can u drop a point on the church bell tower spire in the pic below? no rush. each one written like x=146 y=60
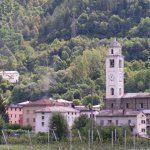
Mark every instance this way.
x=114 y=71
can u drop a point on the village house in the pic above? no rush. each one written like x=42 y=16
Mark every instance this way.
x=44 y=115
x=136 y=120
x=147 y=113
x=11 y=76
x=15 y=113
x=89 y=112
x=29 y=110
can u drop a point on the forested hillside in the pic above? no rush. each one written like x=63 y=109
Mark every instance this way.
x=59 y=47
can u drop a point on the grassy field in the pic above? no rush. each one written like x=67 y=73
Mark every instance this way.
x=65 y=146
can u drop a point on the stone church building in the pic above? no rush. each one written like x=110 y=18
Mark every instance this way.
x=115 y=97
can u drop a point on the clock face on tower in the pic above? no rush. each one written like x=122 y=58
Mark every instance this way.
x=111 y=77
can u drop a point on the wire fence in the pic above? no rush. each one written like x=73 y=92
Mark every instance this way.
x=49 y=141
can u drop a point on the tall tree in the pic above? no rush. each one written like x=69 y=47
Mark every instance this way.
x=59 y=124
x=3 y=113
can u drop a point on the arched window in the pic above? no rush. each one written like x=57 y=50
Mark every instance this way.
x=112 y=51
x=112 y=91
x=112 y=63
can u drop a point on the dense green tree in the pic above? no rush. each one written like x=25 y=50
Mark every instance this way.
x=59 y=124
x=3 y=113
x=2 y=124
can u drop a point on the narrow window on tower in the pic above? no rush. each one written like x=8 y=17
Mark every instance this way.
x=112 y=51
x=127 y=105
x=120 y=63
x=112 y=91
x=119 y=91
x=112 y=63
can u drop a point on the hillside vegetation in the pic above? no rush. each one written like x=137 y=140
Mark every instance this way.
x=59 y=47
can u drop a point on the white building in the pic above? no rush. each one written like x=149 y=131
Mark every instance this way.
x=147 y=113
x=43 y=117
x=11 y=76
x=136 y=120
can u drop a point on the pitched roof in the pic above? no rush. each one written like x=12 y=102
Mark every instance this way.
x=114 y=43
x=117 y=113
x=85 y=109
x=57 y=109
x=46 y=102
x=136 y=95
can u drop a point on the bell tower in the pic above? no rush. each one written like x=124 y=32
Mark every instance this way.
x=114 y=71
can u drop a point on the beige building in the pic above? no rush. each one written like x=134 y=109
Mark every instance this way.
x=136 y=120
x=43 y=117
x=29 y=110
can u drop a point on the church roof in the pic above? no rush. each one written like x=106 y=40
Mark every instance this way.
x=136 y=95
x=117 y=113
x=115 y=43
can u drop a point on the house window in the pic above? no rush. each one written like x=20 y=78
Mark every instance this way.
x=127 y=105
x=143 y=130
x=11 y=115
x=120 y=63
x=112 y=105
x=15 y=116
x=28 y=120
x=112 y=91
x=109 y=121
x=33 y=119
x=117 y=122
x=42 y=117
x=148 y=121
x=15 y=109
x=141 y=105
x=112 y=51
x=68 y=113
x=42 y=123
x=101 y=122
x=43 y=113
x=112 y=63
x=11 y=108
x=20 y=109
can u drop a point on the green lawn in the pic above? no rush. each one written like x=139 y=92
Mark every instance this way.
x=68 y=147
